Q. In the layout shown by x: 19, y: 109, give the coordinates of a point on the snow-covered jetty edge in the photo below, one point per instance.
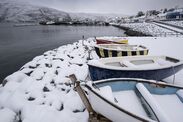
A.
x: 130, y: 31
x: 42, y: 91
x: 154, y: 28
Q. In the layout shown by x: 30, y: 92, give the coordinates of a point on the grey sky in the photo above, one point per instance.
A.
x: 108, y: 6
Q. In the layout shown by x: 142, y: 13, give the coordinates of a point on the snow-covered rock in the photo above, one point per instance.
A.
x: 41, y: 89
x: 177, y: 23
x: 150, y: 29
x: 7, y: 115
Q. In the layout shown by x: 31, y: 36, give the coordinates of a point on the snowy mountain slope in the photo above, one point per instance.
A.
x: 13, y: 11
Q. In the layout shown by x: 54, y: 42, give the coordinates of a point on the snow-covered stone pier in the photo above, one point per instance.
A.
x: 150, y: 29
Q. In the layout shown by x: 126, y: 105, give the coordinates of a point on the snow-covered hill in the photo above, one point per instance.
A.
x: 94, y: 16
x: 14, y: 11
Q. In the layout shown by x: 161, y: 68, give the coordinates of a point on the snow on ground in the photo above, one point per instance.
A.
x: 170, y: 27
x: 7, y: 115
x: 41, y: 91
x: 150, y: 29
x: 177, y: 23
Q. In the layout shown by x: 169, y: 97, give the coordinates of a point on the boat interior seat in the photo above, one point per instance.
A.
x: 140, y: 65
x: 128, y: 64
x: 160, y: 114
x: 106, y: 92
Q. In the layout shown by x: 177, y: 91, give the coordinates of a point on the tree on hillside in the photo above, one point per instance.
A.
x: 152, y: 12
x: 130, y: 17
x: 171, y: 9
x: 165, y: 10
x: 155, y: 12
x: 139, y: 14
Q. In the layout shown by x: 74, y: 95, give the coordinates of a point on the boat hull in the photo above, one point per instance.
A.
x: 103, y: 53
x: 98, y: 73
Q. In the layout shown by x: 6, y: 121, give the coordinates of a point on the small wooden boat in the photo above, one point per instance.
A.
x: 146, y: 67
x: 134, y: 100
x: 117, y: 50
x: 111, y: 41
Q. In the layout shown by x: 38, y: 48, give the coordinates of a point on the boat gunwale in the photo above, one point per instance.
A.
x: 154, y: 82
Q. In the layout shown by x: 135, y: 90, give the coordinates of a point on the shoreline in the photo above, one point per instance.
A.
x: 130, y: 32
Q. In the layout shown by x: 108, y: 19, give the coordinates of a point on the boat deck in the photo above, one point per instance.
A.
x: 130, y: 101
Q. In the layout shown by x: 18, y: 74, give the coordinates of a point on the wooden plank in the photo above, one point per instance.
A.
x: 93, y: 116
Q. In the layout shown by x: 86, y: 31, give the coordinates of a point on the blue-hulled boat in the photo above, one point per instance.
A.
x: 146, y: 67
x: 134, y: 100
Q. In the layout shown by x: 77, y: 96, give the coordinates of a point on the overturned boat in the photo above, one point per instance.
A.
x: 118, y: 50
x: 134, y: 100
x: 146, y: 67
x: 111, y: 41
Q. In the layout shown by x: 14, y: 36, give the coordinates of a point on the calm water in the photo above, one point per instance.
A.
x: 18, y: 45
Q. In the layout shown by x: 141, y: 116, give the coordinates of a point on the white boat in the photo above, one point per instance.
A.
x: 145, y: 67
x: 134, y: 100
x: 118, y: 50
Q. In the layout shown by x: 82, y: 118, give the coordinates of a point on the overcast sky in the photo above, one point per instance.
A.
x: 127, y: 7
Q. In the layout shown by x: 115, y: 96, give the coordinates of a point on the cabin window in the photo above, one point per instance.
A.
x: 142, y: 62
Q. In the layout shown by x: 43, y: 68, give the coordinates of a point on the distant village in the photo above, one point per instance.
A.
x: 148, y: 16
x: 162, y: 15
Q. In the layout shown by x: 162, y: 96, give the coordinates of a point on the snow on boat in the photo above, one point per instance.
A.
x: 130, y: 100
x: 118, y: 50
x: 146, y: 67
x: 111, y: 41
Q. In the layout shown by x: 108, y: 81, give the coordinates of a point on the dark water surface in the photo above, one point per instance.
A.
x: 19, y: 45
